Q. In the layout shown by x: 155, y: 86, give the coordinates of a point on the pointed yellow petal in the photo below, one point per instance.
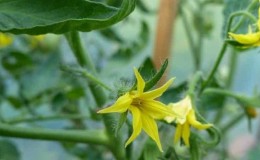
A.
x: 140, y: 82
x: 249, y: 38
x: 196, y: 124
x: 178, y: 133
x: 157, y: 92
x: 186, y: 134
x: 137, y: 124
x: 150, y: 127
x: 121, y: 105
x: 156, y: 109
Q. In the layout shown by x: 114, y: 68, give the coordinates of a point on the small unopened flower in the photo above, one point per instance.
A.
x: 144, y: 109
x: 251, y: 39
x: 5, y: 40
x: 186, y: 119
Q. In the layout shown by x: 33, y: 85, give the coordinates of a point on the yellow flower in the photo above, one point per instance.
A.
x: 250, y: 39
x: 187, y: 119
x: 144, y: 109
x: 5, y: 40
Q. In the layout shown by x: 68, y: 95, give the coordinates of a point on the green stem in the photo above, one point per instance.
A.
x: 190, y: 38
x: 215, y: 67
x: 224, y: 46
x: 99, y: 95
x: 88, y: 136
x: 243, y: 18
x: 200, y: 35
x: 232, y: 66
x: 79, y: 51
x: 222, y: 92
x: 86, y: 75
x: 46, y: 118
x: 213, y: 131
x: 232, y: 123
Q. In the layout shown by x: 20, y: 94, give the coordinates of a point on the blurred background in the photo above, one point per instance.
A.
x: 32, y: 83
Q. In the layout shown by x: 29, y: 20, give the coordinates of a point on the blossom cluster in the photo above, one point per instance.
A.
x: 146, y: 109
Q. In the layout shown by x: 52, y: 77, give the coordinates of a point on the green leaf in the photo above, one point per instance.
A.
x: 147, y: 69
x: 60, y: 16
x: 15, y: 62
x: 174, y: 94
x: 211, y: 101
x: 150, y: 151
x: 8, y: 151
x: 16, y: 102
x: 153, y: 81
x: 43, y: 78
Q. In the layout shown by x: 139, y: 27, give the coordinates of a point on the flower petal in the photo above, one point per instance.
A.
x: 178, y: 133
x: 157, y: 92
x: 156, y: 109
x: 150, y: 127
x: 137, y: 124
x: 121, y: 105
x: 249, y: 38
x: 140, y: 82
x: 196, y: 124
x: 186, y: 134
x: 181, y: 109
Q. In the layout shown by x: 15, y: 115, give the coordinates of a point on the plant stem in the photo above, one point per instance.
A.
x: 190, y: 39
x: 224, y: 46
x: 232, y: 122
x: 215, y: 67
x: 99, y: 95
x: 232, y: 66
x: 86, y: 75
x: 87, y: 136
x: 243, y: 18
x: 46, y: 118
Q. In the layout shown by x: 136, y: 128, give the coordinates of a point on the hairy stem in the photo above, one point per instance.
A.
x: 87, y: 136
x: 99, y: 95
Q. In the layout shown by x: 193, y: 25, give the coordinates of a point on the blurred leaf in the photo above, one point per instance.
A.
x: 231, y: 6
x: 75, y: 93
x: 16, y: 102
x: 15, y: 62
x: 142, y: 6
x: 150, y: 151
x: 211, y: 101
x: 129, y: 50
x: 60, y: 16
x: 111, y: 34
x: 58, y: 102
x: 171, y: 154
x: 8, y: 151
x: 174, y: 94
x: 44, y: 77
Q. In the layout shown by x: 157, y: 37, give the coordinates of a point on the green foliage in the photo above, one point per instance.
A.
x: 231, y: 6
x: 44, y: 77
x: 150, y: 152
x: 15, y: 62
x: 212, y: 101
x: 8, y: 151
x: 60, y: 16
x: 174, y: 94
